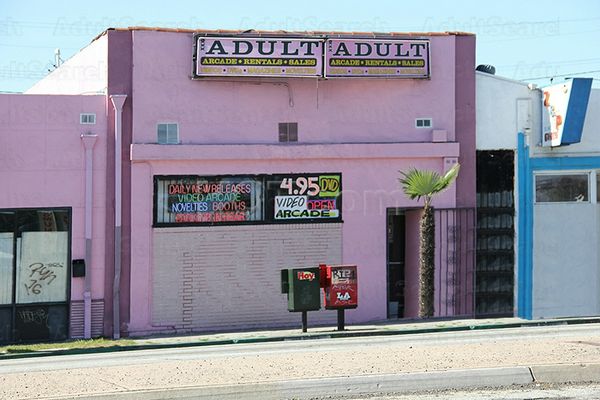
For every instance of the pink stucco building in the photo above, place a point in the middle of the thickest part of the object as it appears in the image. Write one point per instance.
(202, 150)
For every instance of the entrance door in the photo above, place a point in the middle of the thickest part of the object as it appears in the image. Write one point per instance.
(34, 274)
(396, 233)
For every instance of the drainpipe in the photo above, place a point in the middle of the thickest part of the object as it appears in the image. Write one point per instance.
(89, 140)
(117, 101)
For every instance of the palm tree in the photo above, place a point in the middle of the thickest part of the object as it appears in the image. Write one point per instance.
(422, 183)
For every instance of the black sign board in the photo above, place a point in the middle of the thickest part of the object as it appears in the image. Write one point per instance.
(304, 197)
(247, 199)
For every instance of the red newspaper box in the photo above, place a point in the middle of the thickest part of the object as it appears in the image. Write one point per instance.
(324, 275)
(342, 289)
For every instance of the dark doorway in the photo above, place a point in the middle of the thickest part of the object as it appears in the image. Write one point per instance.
(396, 250)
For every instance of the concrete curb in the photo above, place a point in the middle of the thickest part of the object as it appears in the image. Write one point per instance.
(375, 384)
(339, 386)
(566, 373)
(383, 331)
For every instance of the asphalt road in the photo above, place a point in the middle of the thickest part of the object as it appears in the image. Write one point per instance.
(308, 368)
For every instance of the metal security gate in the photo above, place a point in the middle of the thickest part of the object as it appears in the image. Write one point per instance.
(455, 235)
(495, 269)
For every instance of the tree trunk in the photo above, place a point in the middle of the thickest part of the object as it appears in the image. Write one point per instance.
(426, 262)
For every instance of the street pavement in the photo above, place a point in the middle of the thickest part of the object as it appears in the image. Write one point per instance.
(336, 367)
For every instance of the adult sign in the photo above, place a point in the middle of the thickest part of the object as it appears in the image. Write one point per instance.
(185, 200)
(210, 200)
(263, 56)
(389, 58)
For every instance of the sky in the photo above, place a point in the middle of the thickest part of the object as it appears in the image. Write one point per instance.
(534, 41)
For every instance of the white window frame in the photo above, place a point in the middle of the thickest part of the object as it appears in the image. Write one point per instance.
(168, 139)
(590, 177)
(423, 120)
(87, 119)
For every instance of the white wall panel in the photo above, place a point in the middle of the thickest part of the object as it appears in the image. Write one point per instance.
(565, 260)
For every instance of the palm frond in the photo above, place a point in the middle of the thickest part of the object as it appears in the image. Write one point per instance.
(448, 178)
(419, 183)
(424, 183)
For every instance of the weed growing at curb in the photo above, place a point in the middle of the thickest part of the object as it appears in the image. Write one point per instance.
(70, 345)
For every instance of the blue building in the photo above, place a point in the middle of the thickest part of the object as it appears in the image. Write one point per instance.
(538, 175)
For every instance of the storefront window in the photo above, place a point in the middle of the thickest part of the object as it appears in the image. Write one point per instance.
(561, 188)
(42, 256)
(7, 226)
(42, 268)
(239, 199)
(34, 248)
(208, 200)
(304, 197)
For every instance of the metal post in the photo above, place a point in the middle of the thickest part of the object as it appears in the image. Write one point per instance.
(341, 319)
(88, 142)
(304, 321)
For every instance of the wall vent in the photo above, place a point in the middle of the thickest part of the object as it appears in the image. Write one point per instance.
(167, 133)
(288, 132)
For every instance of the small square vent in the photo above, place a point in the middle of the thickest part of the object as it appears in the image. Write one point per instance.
(288, 132)
(167, 133)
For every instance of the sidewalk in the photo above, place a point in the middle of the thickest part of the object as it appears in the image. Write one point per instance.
(567, 351)
(379, 329)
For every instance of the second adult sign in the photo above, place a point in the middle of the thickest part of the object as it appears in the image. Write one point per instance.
(267, 56)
